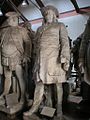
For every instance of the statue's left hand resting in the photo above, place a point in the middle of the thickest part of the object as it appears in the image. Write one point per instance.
(25, 60)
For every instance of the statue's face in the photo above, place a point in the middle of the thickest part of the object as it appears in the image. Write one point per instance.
(50, 16)
(13, 21)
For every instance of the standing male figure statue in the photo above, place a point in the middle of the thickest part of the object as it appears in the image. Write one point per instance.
(52, 60)
(15, 51)
(84, 53)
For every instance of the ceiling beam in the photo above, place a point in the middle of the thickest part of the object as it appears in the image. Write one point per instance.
(40, 3)
(74, 2)
(6, 8)
(17, 10)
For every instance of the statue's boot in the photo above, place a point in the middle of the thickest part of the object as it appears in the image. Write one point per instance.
(38, 95)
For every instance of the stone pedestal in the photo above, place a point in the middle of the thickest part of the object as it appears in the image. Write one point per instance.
(11, 110)
(10, 104)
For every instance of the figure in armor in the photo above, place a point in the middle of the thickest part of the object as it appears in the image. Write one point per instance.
(15, 51)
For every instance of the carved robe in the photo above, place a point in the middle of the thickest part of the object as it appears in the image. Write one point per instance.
(52, 43)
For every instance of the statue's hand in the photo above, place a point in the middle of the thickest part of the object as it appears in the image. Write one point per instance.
(64, 63)
(65, 66)
(25, 60)
(81, 66)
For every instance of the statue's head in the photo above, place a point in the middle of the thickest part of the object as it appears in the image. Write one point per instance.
(12, 18)
(50, 14)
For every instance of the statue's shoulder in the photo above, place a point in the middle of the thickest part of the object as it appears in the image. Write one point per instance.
(20, 27)
(61, 24)
(4, 31)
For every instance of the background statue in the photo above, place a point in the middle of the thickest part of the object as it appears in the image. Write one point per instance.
(75, 52)
(15, 49)
(84, 53)
(52, 61)
(84, 64)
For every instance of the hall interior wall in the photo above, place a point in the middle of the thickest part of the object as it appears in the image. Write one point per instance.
(75, 22)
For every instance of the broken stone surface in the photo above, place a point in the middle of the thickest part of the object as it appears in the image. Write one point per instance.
(48, 111)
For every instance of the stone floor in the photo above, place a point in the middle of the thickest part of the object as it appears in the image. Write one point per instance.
(73, 114)
(70, 113)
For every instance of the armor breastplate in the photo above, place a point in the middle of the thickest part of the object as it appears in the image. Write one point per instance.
(9, 46)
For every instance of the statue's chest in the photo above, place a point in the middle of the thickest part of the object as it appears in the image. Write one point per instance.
(50, 35)
(11, 36)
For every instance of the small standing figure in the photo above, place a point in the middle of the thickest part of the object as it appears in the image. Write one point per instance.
(15, 52)
(52, 61)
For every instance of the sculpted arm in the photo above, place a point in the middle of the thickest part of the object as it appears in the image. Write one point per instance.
(84, 46)
(1, 68)
(65, 50)
(84, 42)
(27, 44)
(37, 38)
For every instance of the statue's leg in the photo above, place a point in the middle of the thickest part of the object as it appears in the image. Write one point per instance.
(48, 95)
(7, 83)
(59, 99)
(38, 95)
(19, 75)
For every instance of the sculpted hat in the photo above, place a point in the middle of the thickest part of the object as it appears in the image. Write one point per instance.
(49, 7)
(11, 14)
